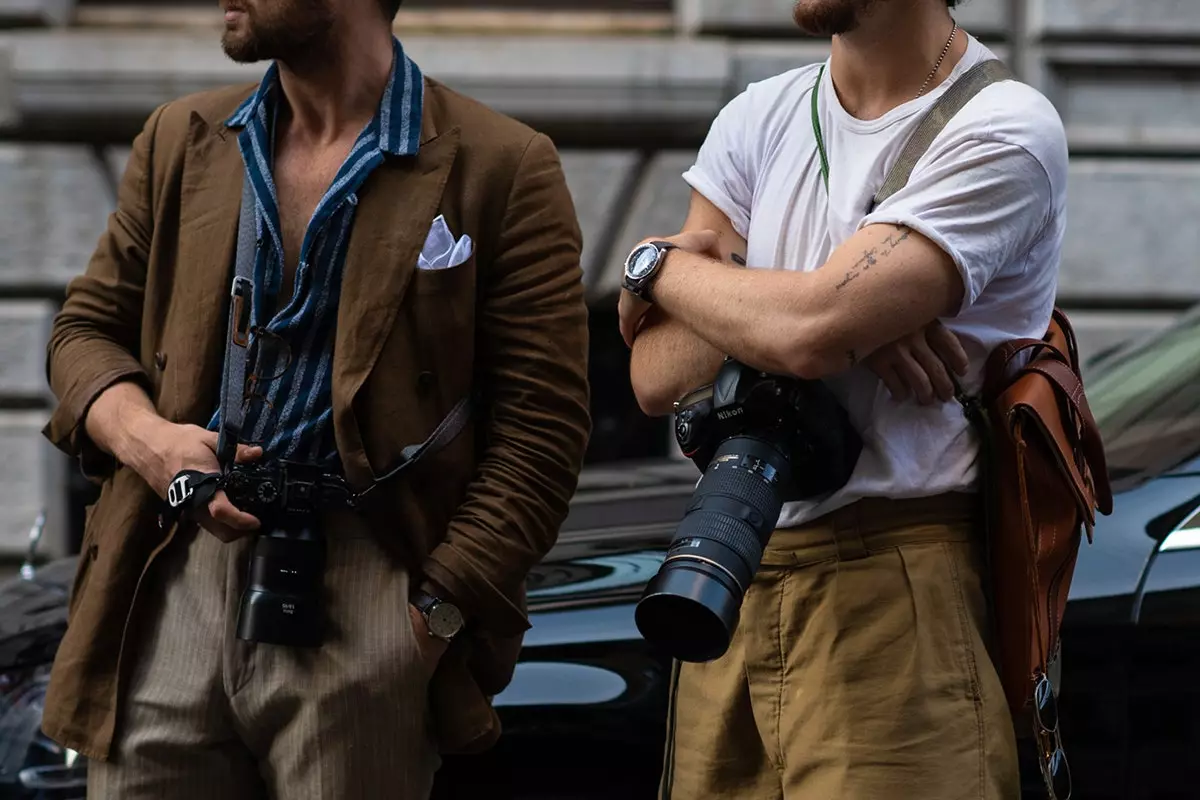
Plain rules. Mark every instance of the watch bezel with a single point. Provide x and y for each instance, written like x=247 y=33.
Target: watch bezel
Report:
x=637 y=283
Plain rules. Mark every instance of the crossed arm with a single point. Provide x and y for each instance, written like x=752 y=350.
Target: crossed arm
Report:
x=876 y=301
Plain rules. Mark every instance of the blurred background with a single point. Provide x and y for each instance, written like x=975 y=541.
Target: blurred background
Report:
x=627 y=89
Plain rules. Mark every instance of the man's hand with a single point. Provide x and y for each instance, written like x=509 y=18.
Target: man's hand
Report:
x=919 y=365
x=174 y=448
x=632 y=309
x=432 y=648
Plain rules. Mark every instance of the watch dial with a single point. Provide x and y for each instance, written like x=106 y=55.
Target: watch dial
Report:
x=445 y=620
x=643 y=262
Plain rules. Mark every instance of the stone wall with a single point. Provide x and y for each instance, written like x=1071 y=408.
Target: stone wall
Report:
x=628 y=112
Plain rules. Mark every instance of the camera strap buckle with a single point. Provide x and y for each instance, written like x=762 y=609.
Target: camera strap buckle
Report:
x=189 y=491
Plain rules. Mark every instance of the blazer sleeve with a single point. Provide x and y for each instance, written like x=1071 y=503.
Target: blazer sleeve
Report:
x=94 y=341
x=533 y=351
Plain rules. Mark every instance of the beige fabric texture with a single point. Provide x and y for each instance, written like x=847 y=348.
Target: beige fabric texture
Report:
x=210 y=717
x=859 y=671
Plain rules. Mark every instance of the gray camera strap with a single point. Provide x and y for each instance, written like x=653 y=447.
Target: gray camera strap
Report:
x=234 y=397
x=191 y=490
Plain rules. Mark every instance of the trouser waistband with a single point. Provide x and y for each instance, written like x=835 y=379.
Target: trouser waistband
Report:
x=874 y=524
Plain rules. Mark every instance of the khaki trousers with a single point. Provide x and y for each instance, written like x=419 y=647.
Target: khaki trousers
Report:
x=859 y=670
x=208 y=716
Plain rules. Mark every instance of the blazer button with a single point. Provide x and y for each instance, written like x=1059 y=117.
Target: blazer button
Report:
x=425 y=382
x=160 y=361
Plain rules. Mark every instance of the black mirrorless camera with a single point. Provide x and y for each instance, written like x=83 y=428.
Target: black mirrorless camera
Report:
x=282 y=603
x=761 y=440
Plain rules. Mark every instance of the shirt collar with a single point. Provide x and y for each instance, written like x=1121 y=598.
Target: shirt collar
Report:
x=398 y=120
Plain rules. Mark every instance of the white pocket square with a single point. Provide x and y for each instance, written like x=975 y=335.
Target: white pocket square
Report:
x=440 y=250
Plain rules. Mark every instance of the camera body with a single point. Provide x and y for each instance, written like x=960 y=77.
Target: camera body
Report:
x=801 y=419
x=761 y=440
x=282 y=603
x=282 y=491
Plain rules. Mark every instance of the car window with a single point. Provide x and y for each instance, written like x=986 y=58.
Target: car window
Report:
x=1146 y=400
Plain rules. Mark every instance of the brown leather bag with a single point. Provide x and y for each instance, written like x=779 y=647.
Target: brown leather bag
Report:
x=1044 y=478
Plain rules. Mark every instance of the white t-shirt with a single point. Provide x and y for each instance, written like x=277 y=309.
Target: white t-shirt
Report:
x=991 y=191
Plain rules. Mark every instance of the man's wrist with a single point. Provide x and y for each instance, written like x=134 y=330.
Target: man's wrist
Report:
x=666 y=272
x=428 y=588
x=140 y=442
x=430 y=595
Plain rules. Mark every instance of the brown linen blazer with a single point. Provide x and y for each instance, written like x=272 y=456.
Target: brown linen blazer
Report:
x=509 y=324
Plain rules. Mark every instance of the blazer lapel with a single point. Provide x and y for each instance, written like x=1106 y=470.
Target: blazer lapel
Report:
x=395 y=213
x=210 y=199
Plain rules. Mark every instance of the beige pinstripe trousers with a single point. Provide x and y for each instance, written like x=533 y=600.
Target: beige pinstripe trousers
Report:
x=208 y=716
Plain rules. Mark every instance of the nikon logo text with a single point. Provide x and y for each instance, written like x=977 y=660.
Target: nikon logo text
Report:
x=729 y=413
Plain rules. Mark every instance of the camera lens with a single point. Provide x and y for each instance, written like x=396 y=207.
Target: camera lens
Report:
x=691 y=607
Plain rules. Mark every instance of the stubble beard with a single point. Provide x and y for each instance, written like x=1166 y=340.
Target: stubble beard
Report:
x=292 y=31
x=829 y=17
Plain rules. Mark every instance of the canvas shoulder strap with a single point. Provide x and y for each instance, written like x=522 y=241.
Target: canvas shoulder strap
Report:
x=964 y=90
x=947 y=106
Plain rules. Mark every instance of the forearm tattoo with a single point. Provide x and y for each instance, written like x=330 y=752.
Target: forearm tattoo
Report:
x=871 y=257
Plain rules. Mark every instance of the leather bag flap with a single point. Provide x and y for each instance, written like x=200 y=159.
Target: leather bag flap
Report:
x=1031 y=410
x=1045 y=399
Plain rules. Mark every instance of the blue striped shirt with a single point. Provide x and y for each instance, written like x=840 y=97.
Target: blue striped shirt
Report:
x=293 y=418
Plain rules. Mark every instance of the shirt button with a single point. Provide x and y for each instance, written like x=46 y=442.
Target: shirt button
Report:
x=160 y=361
x=425 y=382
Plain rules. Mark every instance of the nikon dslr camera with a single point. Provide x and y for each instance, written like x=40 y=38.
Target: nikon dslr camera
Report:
x=761 y=440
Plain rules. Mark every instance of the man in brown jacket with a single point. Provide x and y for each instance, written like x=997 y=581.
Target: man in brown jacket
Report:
x=413 y=248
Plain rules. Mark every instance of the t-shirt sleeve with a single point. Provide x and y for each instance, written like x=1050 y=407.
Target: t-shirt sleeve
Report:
x=986 y=203
x=725 y=167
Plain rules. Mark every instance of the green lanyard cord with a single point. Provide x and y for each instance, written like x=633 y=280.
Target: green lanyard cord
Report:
x=816 y=118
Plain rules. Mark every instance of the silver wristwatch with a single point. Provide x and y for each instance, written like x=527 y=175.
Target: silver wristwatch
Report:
x=642 y=266
x=443 y=619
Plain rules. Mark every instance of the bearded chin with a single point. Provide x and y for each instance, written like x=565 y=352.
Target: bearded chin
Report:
x=244 y=48
x=828 y=17
x=297 y=34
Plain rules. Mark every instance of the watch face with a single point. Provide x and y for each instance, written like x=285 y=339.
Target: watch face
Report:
x=642 y=262
x=445 y=620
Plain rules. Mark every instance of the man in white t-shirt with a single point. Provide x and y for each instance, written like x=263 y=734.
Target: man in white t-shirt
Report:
x=860 y=668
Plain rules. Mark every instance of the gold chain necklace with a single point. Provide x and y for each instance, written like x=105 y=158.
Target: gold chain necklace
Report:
x=938 y=65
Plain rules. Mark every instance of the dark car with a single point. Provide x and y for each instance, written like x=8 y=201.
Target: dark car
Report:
x=585 y=715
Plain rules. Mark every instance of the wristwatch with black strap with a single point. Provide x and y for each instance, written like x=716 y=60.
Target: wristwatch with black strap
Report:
x=642 y=267
x=443 y=619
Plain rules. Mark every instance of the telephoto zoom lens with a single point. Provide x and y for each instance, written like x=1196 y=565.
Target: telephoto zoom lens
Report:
x=691 y=607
